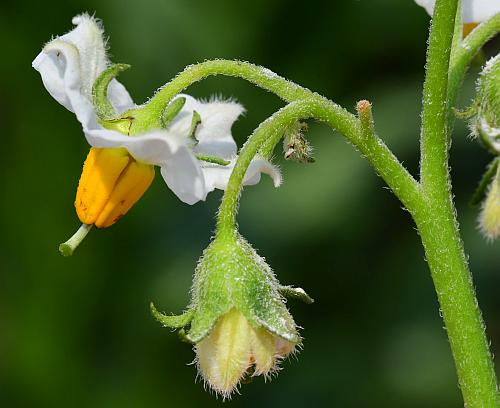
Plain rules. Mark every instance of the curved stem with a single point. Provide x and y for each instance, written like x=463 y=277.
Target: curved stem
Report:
x=436 y=218
x=260 y=76
x=465 y=52
x=384 y=162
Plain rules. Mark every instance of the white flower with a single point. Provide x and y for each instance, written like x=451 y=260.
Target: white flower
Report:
x=69 y=65
x=473 y=11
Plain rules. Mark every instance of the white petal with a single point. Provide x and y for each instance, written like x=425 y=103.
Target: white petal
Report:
x=184 y=177
x=214 y=132
x=217 y=176
x=69 y=66
x=477 y=11
x=179 y=168
x=59 y=67
x=473 y=11
x=428 y=5
x=260 y=166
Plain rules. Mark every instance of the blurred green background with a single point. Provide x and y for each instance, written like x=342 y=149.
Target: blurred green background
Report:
x=76 y=332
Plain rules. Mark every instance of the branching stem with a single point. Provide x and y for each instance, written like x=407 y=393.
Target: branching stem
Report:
x=430 y=201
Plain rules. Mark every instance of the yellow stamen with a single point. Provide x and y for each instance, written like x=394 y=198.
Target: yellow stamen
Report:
x=133 y=182
x=110 y=184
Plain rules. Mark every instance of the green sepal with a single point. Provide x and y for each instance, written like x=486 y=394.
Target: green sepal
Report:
x=480 y=193
x=103 y=107
x=195 y=122
x=172 y=321
x=212 y=159
x=183 y=336
x=232 y=275
x=121 y=124
x=259 y=298
x=211 y=294
x=290 y=292
x=466 y=113
x=171 y=111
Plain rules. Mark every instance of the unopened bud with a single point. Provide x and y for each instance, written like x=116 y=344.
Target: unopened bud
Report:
x=237 y=318
x=489 y=218
x=486 y=122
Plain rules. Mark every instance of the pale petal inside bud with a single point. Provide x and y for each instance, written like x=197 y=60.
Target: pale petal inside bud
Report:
x=490 y=214
x=234 y=346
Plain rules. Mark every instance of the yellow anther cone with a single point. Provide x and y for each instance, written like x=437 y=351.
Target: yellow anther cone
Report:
x=131 y=185
x=110 y=184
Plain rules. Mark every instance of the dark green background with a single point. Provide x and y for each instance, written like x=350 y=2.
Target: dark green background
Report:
x=77 y=332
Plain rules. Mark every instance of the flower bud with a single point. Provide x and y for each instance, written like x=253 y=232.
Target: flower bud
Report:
x=238 y=319
x=490 y=213
x=234 y=347
x=111 y=183
x=486 y=122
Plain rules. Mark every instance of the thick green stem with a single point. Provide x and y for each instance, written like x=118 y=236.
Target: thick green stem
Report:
x=459 y=307
x=436 y=221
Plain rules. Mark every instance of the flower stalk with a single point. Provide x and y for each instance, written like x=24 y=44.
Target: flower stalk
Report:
x=429 y=201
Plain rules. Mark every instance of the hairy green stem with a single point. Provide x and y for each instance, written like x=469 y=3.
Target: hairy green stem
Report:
x=260 y=76
x=372 y=147
x=384 y=162
x=430 y=201
x=436 y=219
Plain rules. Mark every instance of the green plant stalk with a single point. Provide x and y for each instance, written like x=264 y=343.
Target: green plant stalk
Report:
x=438 y=226
x=429 y=202
x=382 y=159
x=260 y=76
x=271 y=131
